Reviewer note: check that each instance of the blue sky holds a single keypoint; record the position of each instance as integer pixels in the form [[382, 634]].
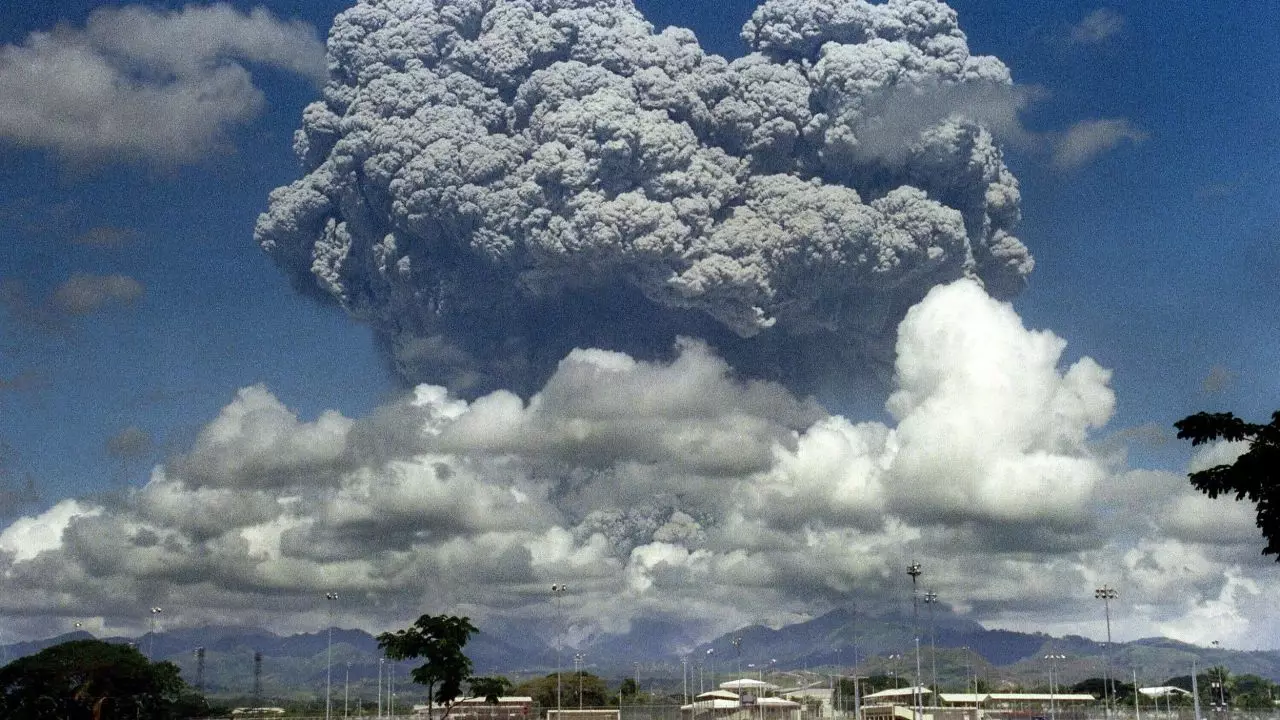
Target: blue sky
[[137, 304]]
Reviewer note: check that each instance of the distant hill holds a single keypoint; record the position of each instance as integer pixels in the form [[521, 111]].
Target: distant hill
[[294, 666]]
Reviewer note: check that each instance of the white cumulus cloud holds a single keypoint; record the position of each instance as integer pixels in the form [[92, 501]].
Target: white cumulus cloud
[[671, 489], [1097, 26], [137, 83], [1088, 139]]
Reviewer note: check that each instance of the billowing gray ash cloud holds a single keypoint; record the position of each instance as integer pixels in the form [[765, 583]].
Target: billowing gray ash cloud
[[491, 184]]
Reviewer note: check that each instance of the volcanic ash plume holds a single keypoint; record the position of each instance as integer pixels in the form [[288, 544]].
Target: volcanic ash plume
[[490, 184]]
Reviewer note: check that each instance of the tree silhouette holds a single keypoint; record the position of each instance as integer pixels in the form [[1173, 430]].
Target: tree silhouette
[[1254, 476], [438, 639], [93, 680]]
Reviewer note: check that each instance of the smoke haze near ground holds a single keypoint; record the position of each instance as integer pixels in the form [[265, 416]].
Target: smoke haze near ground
[[490, 185]]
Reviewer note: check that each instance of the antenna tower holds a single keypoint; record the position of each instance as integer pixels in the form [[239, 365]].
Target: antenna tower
[[200, 670], [257, 678]]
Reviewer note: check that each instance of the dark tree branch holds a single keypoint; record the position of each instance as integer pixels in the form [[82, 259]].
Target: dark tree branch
[[1254, 476]]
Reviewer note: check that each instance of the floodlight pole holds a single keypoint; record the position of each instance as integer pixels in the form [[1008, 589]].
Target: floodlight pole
[[835, 689], [558, 590], [969, 671], [737, 649], [1106, 594], [151, 641], [1137, 710], [1195, 689], [1053, 688], [931, 599], [914, 571], [684, 677], [577, 666], [329, 597], [1221, 682]]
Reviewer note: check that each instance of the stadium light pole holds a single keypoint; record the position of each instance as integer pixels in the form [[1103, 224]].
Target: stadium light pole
[[914, 571], [1221, 682], [737, 649], [684, 678], [1053, 708], [1106, 594], [969, 672], [557, 591], [577, 667], [931, 599], [329, 597], [835, 690], [151, 641]]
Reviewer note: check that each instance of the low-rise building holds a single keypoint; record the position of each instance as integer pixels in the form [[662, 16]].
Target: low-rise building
[[508, 707]]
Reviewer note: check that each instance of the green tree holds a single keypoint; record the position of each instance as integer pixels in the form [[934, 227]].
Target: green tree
[[587, 690], [439, 640], [94, 680], [1254, 476], [1251, 692], [1094, 686], [543, 690], [845, 689], [1217, 685], [489, 688]]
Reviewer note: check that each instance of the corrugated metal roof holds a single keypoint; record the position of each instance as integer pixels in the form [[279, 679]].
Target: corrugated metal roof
[[899, 692], [1040, 697]]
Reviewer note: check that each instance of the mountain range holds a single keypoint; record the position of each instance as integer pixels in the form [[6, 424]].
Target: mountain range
[[840, 642]]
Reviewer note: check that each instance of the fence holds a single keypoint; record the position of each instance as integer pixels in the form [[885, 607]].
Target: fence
[[672, 712]]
